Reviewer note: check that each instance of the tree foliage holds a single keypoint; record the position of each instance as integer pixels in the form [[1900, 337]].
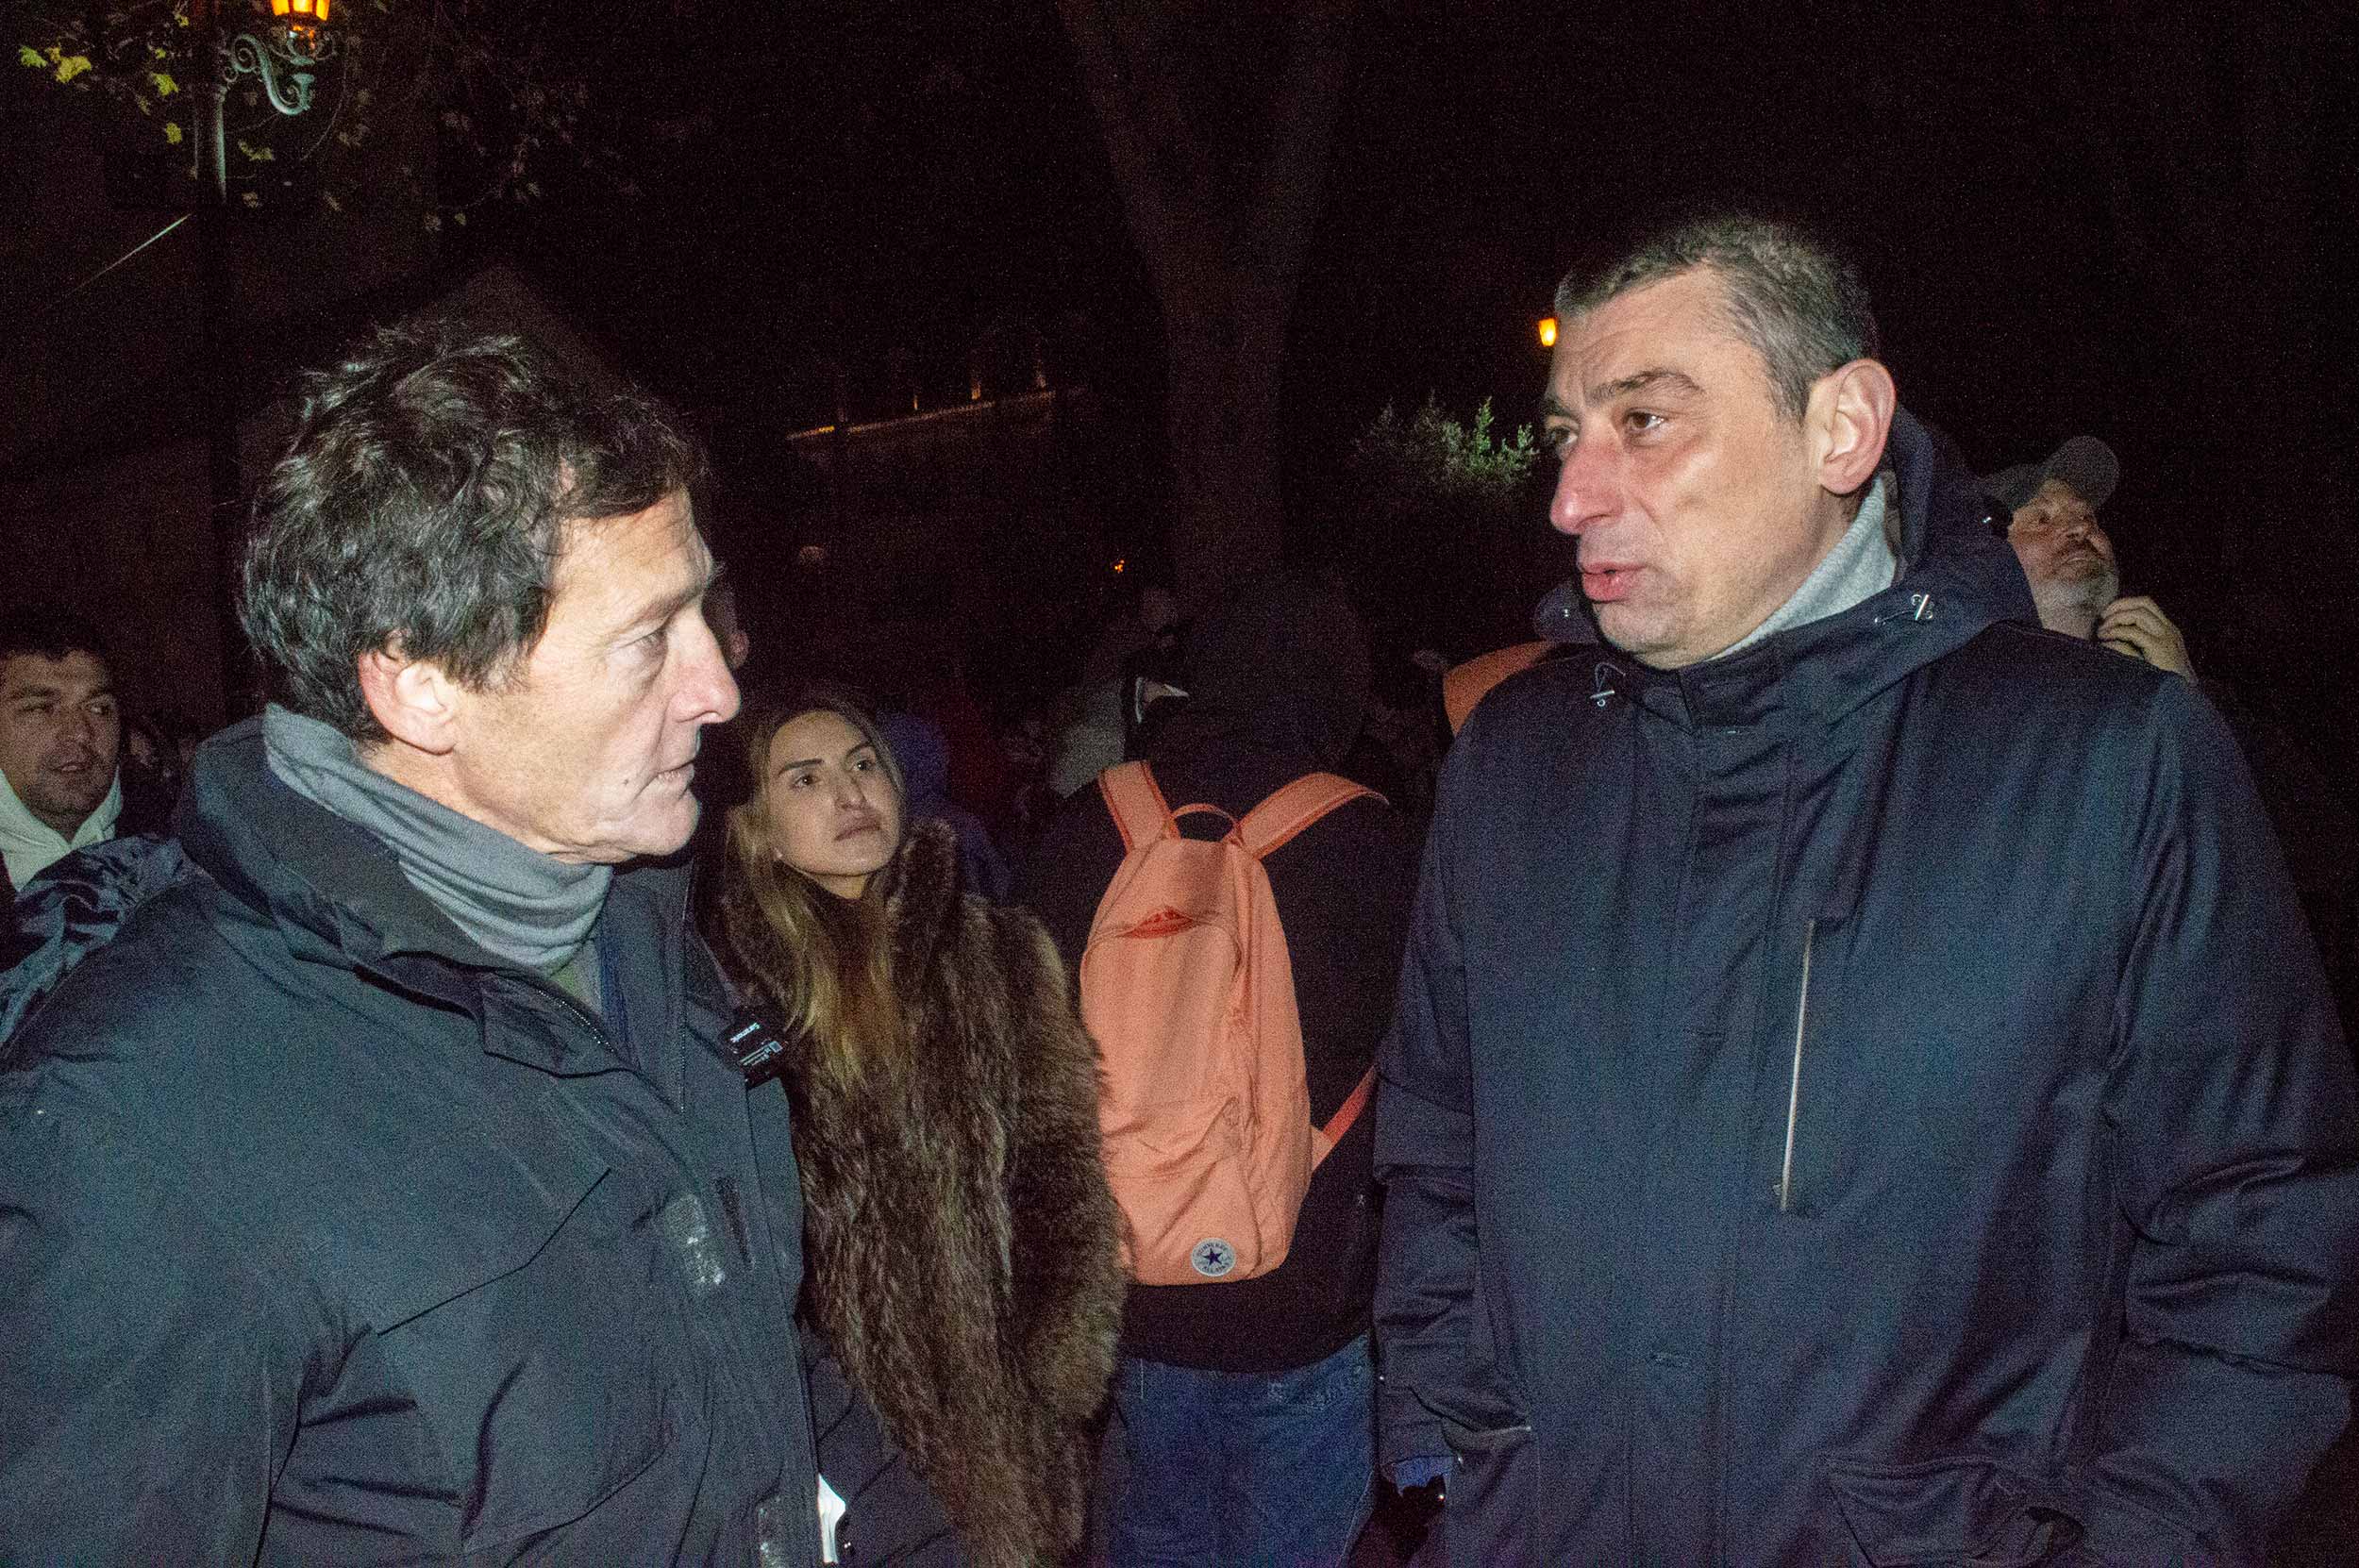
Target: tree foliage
[[479, 102], [1431, 457]]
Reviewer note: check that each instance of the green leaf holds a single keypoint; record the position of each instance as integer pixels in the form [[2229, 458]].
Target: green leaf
[[28, 55], [172, 132], [165, 86], [71, 66]]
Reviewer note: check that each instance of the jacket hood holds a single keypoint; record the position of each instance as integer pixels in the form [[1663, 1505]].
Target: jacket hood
[[1280, 667], [1958, 576]]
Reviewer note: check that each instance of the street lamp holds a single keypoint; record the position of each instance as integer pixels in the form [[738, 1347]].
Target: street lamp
[[282, 57], [1547, 331]]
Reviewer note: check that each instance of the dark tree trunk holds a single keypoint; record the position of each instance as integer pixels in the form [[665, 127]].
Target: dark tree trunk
[[1223, 235]]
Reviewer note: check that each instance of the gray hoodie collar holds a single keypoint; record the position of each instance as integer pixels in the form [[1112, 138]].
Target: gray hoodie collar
[[516, 903], [1861, 565]]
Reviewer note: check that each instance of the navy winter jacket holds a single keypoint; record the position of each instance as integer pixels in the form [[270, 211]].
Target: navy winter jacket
[[1867, 1099], [327, 1236]]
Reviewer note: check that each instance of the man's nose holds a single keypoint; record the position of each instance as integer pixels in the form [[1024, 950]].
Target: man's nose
[[1584, 489], [710, 692]]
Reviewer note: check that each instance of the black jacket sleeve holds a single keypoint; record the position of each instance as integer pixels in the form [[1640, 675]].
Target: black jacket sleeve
[[1425, 1291], [147, 1392], [2236, 1149]]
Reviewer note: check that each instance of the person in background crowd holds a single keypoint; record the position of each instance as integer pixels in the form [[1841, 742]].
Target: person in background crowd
[[1840, 1110], [721, 768], [2069, 558], [965, 1273], [385, 1190], [1244, 1406], [1096, 719], [62, 786], [728, 628], [148, 756], [924, 759]]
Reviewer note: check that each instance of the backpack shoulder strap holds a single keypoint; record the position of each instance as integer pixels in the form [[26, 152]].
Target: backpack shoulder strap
[[1136, 803], [1295, 808], [1349, 1110]]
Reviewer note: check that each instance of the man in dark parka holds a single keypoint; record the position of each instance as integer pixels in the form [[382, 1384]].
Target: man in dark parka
[[382, 1192], [1850, 1103]]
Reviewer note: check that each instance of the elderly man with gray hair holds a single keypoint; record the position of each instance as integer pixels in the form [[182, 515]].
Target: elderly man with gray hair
[[1839, 1111], [384, 1191]]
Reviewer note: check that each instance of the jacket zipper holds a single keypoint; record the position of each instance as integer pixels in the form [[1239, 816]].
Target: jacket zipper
[[1794, 1084]]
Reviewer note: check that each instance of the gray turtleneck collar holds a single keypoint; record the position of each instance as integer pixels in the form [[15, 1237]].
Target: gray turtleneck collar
[[1861, 565], [514, 902]]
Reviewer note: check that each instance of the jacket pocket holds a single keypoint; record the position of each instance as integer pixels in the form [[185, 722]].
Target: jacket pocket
[[1491, 1495], [1812, 1136], [1949, 1511]]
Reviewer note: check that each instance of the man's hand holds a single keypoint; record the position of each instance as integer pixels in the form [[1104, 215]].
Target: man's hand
[[2137, 625]]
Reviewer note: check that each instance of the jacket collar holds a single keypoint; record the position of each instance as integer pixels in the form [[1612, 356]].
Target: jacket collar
[[1958, 576], [336, 894]]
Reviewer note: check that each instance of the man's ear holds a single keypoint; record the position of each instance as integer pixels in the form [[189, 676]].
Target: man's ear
[[1849, 419], [415, 702]]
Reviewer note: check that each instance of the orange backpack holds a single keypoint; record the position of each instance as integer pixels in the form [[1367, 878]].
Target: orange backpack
[[1186, 985]]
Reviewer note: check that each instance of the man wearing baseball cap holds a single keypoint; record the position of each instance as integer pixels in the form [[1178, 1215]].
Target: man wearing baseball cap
[[2070, 558]]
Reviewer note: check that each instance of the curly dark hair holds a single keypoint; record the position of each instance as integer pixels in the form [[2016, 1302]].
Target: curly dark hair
[[420, 507]]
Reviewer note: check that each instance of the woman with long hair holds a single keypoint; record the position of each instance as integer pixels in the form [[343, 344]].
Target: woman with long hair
[[959, 1241]]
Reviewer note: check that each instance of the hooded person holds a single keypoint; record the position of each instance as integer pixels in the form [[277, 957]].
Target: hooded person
[[1244, 1406], [925, 757], [1858, 1092]]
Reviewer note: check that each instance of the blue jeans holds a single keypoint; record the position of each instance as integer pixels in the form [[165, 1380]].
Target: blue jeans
[[1244, 1470]]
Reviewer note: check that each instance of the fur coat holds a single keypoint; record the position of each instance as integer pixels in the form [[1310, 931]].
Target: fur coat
[[960, 1237]]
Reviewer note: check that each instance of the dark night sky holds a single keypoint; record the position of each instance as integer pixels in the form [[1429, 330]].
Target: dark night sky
[[2124, 222], [865, 177]]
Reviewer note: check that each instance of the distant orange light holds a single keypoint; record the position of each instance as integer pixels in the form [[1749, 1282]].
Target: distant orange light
[[299, 11], [1547, 331], [1120, 564]]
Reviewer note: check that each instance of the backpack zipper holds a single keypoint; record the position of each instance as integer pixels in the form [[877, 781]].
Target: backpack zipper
[[1794, 1084]]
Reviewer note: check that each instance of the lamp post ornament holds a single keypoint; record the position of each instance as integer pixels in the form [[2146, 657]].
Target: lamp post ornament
[[282, 57]]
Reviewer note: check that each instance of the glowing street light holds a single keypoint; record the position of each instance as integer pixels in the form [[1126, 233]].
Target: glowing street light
[[1548, 324]]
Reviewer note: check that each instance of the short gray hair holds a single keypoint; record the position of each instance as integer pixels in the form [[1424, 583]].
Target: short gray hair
[[1804, 309], [421, 505]]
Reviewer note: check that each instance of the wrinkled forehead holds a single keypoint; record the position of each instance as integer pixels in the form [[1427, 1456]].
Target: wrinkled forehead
[[1676, 333]]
